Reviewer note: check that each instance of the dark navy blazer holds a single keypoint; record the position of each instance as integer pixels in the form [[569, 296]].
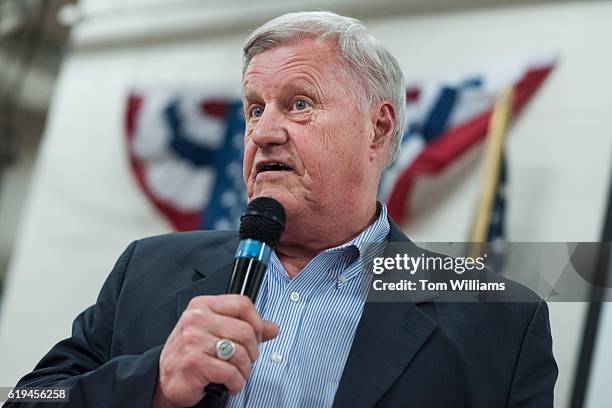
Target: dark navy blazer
[[405, 354]]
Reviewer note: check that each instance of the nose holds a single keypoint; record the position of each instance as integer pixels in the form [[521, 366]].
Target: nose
[[269, 128]]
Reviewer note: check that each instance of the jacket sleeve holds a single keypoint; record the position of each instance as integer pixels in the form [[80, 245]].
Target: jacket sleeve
[[82, 362], [536, 370]]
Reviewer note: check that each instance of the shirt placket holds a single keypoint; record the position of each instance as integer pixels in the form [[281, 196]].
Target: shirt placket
[[285, 305]]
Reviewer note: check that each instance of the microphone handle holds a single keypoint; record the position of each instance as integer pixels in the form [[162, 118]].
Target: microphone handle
[[247, 276]]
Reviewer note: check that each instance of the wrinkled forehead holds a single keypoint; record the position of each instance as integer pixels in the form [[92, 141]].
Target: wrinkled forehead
[[309, 40], [305, 52]]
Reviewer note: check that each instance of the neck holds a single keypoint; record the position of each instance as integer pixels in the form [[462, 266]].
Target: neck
[[304, 239]]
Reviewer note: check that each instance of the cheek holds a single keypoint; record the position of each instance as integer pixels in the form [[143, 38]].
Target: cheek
[[349, 151], [311, 145], [248, 159], [346, 135]]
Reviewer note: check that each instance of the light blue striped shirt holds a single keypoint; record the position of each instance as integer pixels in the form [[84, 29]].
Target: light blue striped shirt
[[318, 312]]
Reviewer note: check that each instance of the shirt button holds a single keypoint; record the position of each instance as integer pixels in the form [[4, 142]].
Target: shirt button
[[342, 279], [294, 296], [276, 357]]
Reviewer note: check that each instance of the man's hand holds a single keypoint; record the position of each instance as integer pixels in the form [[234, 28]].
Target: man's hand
[[188, 361]]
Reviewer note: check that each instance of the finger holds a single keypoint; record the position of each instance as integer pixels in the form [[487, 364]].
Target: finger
[[270, 330], [221, 372], [204, 319], [237, 306], [240, 359], [237, 330]]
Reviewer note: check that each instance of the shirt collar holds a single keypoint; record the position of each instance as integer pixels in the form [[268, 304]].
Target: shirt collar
[[375, 233], [362, 244]]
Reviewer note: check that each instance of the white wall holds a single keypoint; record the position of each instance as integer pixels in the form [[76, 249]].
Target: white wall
[[84, 198]]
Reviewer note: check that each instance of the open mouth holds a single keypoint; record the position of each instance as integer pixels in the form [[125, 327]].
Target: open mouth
[[272, 166]]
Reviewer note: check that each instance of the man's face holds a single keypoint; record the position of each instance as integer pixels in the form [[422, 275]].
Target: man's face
[[307, 144]]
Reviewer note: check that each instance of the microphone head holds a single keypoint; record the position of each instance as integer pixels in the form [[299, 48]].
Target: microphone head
[[263, 220]]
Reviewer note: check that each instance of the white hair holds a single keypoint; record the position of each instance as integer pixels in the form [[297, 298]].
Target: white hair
[[361, 55]]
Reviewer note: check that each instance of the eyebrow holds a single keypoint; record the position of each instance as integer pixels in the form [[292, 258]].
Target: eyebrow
[[299, 86], [304, 86]]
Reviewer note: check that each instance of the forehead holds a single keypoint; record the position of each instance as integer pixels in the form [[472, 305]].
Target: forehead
[[305, 59]]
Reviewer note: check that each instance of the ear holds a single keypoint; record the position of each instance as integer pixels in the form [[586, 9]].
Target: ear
[[383, 121]]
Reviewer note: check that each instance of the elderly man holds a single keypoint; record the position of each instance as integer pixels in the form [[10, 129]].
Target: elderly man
[[324, 106]]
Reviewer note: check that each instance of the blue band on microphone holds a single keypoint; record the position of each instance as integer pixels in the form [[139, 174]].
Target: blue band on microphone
[[251, 248]]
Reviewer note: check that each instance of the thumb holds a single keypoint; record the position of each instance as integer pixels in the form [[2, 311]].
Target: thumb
[[270, 330]]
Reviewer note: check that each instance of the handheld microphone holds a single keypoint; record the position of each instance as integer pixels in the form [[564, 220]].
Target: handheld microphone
[[261, 225]]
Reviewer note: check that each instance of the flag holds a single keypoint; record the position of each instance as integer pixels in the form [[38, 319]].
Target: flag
[[496, 238], [449, 116], [185, 151]]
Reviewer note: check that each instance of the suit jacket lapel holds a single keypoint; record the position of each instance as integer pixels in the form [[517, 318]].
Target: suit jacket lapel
[[388, 337], [211, 276]]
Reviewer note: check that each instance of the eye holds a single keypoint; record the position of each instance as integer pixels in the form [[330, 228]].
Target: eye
[[300, 104], [256, 111]]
